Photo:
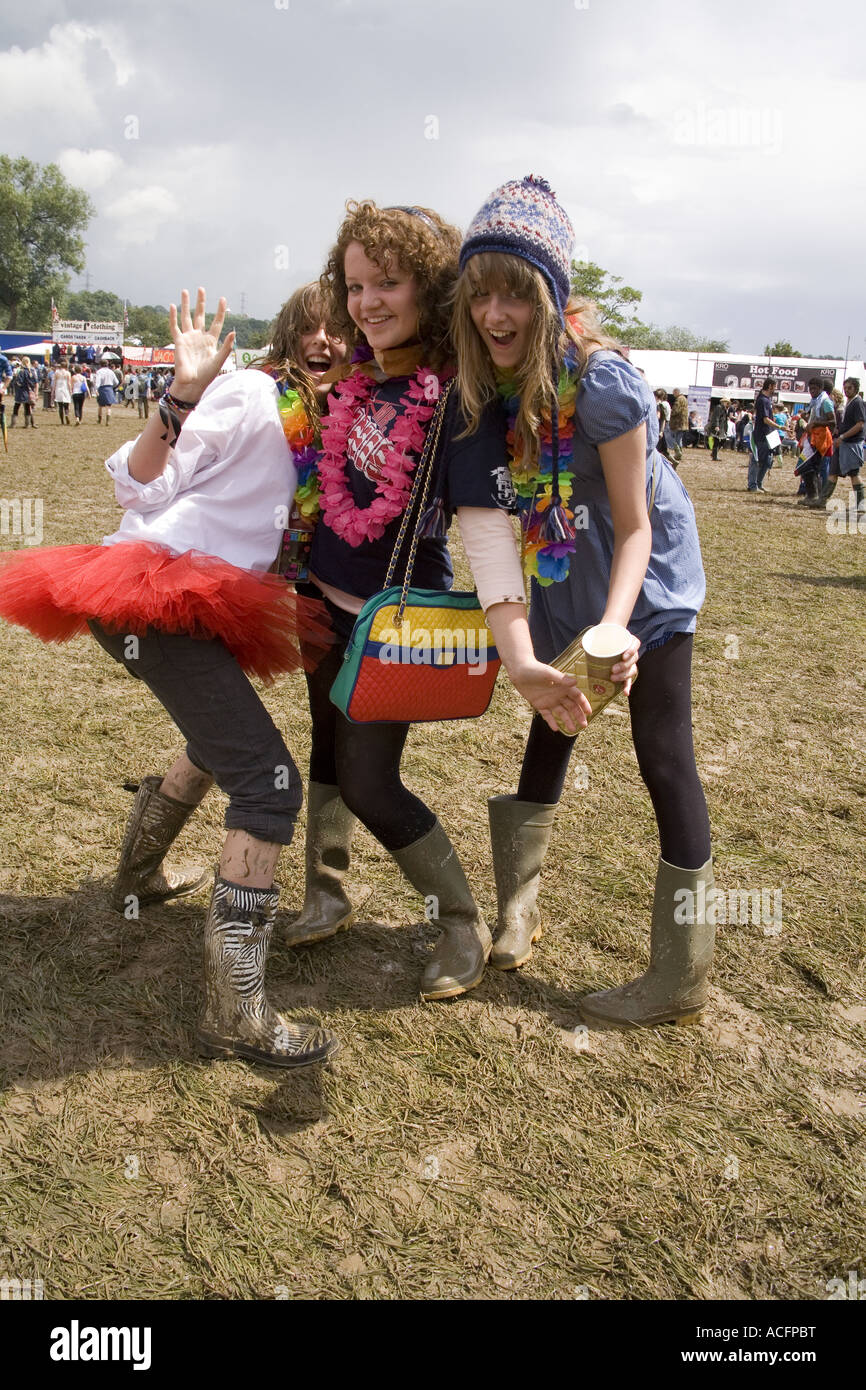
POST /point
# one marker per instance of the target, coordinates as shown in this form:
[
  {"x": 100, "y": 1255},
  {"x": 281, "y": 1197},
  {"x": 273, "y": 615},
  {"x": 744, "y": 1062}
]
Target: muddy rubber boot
[
  {"x": 829, "y": 489},
  {"x": 237, "y": 1020},
  {"x": 330, "y": 826},
  {"x": 674, "y": 988},
  {"x": 813, "y": 490},
  {"x": 519, "y": 835},
  {"x": 460, "y": 955},
  {"x": 154, "y": 824}
]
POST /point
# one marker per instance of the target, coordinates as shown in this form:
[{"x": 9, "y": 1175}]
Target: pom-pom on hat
[{"x": 523, "y": 218}]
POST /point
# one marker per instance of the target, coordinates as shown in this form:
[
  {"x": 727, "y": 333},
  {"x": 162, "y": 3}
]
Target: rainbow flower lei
[
  {"x": 301, "y": 439},
  {"x": 545, "y": 557}
]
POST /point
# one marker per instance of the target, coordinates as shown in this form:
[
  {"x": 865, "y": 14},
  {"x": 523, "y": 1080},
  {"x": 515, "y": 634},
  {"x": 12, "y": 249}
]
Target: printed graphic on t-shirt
[
  {"x": 503, "y": 484},
  {"x": 368, "y": 443}
]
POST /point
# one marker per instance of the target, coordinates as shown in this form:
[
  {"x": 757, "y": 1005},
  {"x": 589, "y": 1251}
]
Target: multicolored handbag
[{"x": 417, "y": 655}]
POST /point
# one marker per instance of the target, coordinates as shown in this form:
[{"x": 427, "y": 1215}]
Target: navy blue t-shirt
[
  {"x": 764, "y": 418},
  {"x": 472, "y": 472},
  {"x": 855, "y": 414}
]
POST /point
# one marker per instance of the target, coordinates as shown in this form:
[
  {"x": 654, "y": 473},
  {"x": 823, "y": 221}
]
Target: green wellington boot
[
  {"x": 519, "y": 835},
  {"x": 238, "y": 1020},
  {"x": 330, "y": 826},
  {"x": 674, "y": 988},
  {"x": 154, "y": 824},
  {"x": 460, "y": 955}
]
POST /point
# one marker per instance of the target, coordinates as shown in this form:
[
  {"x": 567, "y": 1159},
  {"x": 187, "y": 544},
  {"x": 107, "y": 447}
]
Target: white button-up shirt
[{"x": 227, "y": 485}]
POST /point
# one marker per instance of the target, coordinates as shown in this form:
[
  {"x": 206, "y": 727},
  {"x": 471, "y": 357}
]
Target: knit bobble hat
[{"x": 523, "y": 218}]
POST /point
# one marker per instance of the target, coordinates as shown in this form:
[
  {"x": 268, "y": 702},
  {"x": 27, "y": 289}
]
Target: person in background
[
  {"x": 718, "y": 426},
  {"x": 679, "y": 421},
  {"x": 760, "y": 454},
  {"x": 128, "y": 391},
  {"x": 24, "y": 390},
  {"x": 830, "y": 466},
  {"x": 663, "y": 414},
  {"x": 61, "y": 391},
  {"x": 141, "y": 392},
  {"x": 821, "y": 428},
  {"x": 80, "y": 392},
  {"x": 849, "y": 444},
  {"x": 46, "y": 382},
  {"x": 105, "y": 384}
]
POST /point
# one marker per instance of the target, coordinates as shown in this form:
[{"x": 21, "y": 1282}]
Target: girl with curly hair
[{"x": 387, "y": 284}]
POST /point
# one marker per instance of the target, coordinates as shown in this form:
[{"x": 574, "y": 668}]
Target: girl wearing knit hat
[{"x": 609, "y": 536}]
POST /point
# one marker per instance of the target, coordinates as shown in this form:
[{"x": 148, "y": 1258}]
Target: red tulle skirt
[{"x": 135, "y": 585}]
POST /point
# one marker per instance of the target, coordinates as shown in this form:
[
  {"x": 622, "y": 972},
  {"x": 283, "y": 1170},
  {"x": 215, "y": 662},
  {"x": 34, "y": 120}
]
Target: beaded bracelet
[
  {"x": 182, "y": 406},
  {"x": 170, "y": 412}
]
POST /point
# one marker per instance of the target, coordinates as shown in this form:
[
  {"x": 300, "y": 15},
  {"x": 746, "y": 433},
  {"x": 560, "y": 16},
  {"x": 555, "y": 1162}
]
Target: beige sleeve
[{"x": 491, "y": 549}]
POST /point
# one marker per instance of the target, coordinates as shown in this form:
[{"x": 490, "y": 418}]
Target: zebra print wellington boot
[{"x": 237, "y": 1020}]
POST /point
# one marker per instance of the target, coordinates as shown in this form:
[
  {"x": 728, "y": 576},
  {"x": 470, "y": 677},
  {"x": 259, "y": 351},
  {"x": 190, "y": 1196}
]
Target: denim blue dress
[{"x": 614, "y": 398}]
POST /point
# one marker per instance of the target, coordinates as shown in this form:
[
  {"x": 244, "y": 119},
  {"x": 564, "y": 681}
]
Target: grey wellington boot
[
  {"x": 326, "y": 910},
  {"x": 238, "y": 1020},
  {"x": 460, "y": 955},
  {"x": 674, "y": 988},
  {"x": 519, "y": 835},
  {"x": 154, "y": 824}
]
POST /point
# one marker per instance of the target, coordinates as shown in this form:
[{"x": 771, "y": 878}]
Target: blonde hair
[
  {"x": 548, "y": 342},
  {"x": 423, "y": 244},
  {"x": 302, "y": 313}
]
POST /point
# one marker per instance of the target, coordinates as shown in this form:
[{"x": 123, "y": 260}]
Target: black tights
[
  {"x": 362, "y": 759},
  {"x": 660, "y": 706}
]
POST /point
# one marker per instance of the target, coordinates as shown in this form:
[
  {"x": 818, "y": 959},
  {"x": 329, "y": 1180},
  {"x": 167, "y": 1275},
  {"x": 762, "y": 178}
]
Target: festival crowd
[
  {"x": 73, "y": 381},
  {"x": 827, "y": 436}
]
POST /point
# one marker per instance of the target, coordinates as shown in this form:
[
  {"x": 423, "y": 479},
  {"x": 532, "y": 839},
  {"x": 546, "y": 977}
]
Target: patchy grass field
[{"x": 479, "y": 1148}]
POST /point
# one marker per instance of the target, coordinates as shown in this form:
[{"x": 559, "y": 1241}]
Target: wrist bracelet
[
  {"x": 171, "y": 413},
  {"x": 183, "y": 407}
]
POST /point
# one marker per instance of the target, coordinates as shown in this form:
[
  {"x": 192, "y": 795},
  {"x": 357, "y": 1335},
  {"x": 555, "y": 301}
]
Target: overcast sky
[{"x": 709, "y": 153}]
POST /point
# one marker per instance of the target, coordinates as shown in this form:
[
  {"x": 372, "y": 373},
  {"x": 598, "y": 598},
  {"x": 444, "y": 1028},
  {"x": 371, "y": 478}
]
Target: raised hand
[{"x": 198, "y": 354}]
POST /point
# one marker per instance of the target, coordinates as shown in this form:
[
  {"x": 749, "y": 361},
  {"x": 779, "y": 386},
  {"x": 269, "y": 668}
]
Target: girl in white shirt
[
  {"x": 181, "y": 595},
  {"x": 61, "y": 391}
]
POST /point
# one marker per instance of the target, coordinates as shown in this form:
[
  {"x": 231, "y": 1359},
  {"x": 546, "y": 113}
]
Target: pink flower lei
[{"x": 355, "y": 524}]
